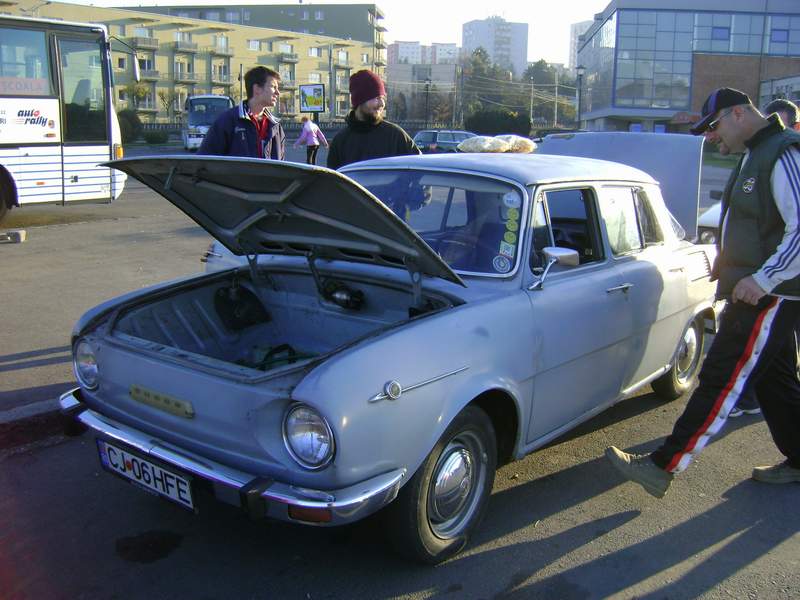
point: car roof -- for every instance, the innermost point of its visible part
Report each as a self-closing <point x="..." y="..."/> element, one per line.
<point x="527" y="169"/>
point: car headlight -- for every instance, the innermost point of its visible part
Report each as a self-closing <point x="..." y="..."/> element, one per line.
<point x="308" y="437"/>
<point x="84" y="363"/>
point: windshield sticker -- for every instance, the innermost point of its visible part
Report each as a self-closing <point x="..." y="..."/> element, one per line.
<point x="510" y="237"/>
<point x="507" y="250"/>
<point x="512" y="200"/>
<point x="512" y="225"/>
<point x="501" y="264"/>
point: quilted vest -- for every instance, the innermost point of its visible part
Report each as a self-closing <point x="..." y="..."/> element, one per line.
<point x="754" y="227"/>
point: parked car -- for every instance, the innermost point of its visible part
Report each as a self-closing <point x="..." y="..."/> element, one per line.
<point x="436" y="141"/>
<point x="396" y="332"/>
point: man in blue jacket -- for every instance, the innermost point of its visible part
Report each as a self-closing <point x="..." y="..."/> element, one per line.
<point x="250" y="129"/>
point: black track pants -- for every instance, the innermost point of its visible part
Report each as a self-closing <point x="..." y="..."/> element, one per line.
<point x="755" y="345"/>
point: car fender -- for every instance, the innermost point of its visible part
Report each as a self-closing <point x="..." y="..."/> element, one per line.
<point x="441" y="362"/>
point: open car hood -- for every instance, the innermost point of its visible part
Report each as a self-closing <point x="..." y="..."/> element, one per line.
<point x="255" y="206"/>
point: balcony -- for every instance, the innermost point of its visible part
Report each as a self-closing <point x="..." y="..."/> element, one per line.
<point x="339" y="63"/>
<point x="190" y="47"/>
<point x="219" y="51"/>
<point x="146" y="108"/>
<point x="288" y="57"/>
<point x="149" y="75"/>
<point x="379" y="62"/>
<point x="380" y="44"/>
<point x="342" y="90"/>
<point x="288" y="84"/>
<point x="220" y="79"/>
<point x="145" y="43"/>
<point x="183" y="77"/>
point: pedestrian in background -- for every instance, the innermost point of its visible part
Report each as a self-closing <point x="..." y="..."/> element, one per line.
<point x="758" y="273"/>
<point x="367" y="135"/>
<point x="250" y="129"/>
<point x="311" y="136"/>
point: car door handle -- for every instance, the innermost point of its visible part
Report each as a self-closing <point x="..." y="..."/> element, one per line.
<point x="677" y="269"/>
<point x="620" y="288"/>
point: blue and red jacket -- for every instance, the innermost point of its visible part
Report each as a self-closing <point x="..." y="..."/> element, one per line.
<point x="233" y="134"/>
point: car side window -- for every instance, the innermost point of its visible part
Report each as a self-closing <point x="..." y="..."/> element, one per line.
<point x="573" y="223"/>
<point x="618" y="209"/>
<point x="425" y="137"/>
<point x="651" y="232"/>
<point x="445" y="136"/>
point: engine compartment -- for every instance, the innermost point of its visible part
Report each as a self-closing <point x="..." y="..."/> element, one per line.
<point x="270" y="319"/>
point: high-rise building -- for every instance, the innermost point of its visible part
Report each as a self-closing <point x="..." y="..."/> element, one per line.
<point x="576" y="30"/>
<point x="506" y="43"/>
<point x="404" y="53"/>
<point x="650" y="65"/>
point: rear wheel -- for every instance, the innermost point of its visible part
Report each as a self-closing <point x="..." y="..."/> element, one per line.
<point x="5" y="196"/>
<point x="439" y="508"/>
<point x="686" y="365"/>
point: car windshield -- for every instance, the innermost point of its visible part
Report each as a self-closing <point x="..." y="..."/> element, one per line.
<point x="204" y="111"/>
<point x="472" y="222"/>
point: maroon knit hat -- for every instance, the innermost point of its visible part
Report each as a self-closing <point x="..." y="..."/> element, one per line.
<point x="364" y="86"/>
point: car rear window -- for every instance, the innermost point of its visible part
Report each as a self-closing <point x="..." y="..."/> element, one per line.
<point x="424" y="137"/>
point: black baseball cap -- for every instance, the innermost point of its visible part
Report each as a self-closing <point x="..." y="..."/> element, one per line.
<point x="719" y="99"/>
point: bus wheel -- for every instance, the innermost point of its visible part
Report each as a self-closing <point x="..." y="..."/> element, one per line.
<point x="5" y="197"/>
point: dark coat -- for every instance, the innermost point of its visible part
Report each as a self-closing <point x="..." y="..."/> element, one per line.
<point x="362" y="141"/>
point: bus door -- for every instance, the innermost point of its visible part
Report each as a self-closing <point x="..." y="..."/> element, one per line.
<point x="30" y="118"/>
<point x="85" y="118"/>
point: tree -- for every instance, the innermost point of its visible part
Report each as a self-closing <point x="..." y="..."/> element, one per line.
<point x="136" y="92"/>
<point x="167" y="101"/>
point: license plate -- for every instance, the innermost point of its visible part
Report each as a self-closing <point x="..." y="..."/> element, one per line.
<point x="142" y="472"/>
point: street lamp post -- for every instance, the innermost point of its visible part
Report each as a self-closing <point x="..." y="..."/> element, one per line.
<point x="427" y="95"/>
<point x="580" y="70"/>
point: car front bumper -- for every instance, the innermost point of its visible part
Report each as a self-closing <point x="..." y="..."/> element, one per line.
<point x="261" y="497"/>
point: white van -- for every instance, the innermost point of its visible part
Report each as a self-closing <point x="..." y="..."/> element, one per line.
<point x="201" y="112"/>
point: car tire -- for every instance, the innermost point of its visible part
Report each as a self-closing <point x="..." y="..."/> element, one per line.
<point x="686" y="364"/>
<point x="438" y="509"/>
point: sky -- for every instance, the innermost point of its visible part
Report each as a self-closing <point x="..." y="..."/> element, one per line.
<point x="430" y="21"/>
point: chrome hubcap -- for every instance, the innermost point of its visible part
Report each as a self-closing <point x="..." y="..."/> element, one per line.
<point x="456" y="485"/>
<point x="687" y="353"/>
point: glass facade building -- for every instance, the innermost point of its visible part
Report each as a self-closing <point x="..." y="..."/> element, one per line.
<point x="641" y="61"/>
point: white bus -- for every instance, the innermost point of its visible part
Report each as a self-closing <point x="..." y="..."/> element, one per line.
<point x="201" y="112"/>
<point x="57" y="118"/>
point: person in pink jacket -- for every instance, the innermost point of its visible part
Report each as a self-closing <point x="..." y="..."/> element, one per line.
<point x="312" y="136"/>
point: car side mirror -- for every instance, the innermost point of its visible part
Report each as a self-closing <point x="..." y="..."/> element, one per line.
<point x="555" y="255"/>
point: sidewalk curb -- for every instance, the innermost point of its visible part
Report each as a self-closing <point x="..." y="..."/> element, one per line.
<point x="28" y="411"/>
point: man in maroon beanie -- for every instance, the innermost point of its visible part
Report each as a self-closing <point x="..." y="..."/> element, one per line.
<point x="367" y="134"/>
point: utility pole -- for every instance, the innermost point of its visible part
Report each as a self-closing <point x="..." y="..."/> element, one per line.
<point x="427" y="95"/>
<point x="555" y="106"/>
<point x="531" y="114"/>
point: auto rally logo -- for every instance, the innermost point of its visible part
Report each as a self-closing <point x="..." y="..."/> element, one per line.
<point x="33" y="117"/>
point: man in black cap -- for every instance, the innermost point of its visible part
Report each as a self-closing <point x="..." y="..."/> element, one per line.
<point x="758" y="272"/>
<point x="787" y="111"/>
<point x="367" y="134"/>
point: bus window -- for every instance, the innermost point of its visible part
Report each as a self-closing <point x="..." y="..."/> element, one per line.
<point x="83" y="91"/>
<point x="23" y="63"/>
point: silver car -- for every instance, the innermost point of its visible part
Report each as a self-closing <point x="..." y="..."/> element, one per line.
<point x="394" y="333"/>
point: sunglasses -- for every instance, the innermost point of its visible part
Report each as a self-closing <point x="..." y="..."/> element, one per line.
<point x="715" y="123"/>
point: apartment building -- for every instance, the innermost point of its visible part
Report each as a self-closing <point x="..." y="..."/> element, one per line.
<point x="505" y="42"/>
<point x="179" y="57"/>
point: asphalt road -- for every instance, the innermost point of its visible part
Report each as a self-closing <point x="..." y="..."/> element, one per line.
<point x="560" y="525"/>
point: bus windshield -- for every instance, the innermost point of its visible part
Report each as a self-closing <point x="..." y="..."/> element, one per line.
<point x="204" y="111"/>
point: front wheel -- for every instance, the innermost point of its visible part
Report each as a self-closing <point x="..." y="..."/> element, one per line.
<point x="439" y="508"/>
<point x="686" y="364"/>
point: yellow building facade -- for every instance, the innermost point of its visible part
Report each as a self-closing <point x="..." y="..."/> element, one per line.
<point x="181" y="57"/>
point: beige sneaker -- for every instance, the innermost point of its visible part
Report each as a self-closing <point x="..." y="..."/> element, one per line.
<point x="782" y="473"/>
<point x="641" y="469"/>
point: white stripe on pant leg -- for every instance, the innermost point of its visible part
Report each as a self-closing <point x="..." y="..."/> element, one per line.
<point x="735" y="393"/>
